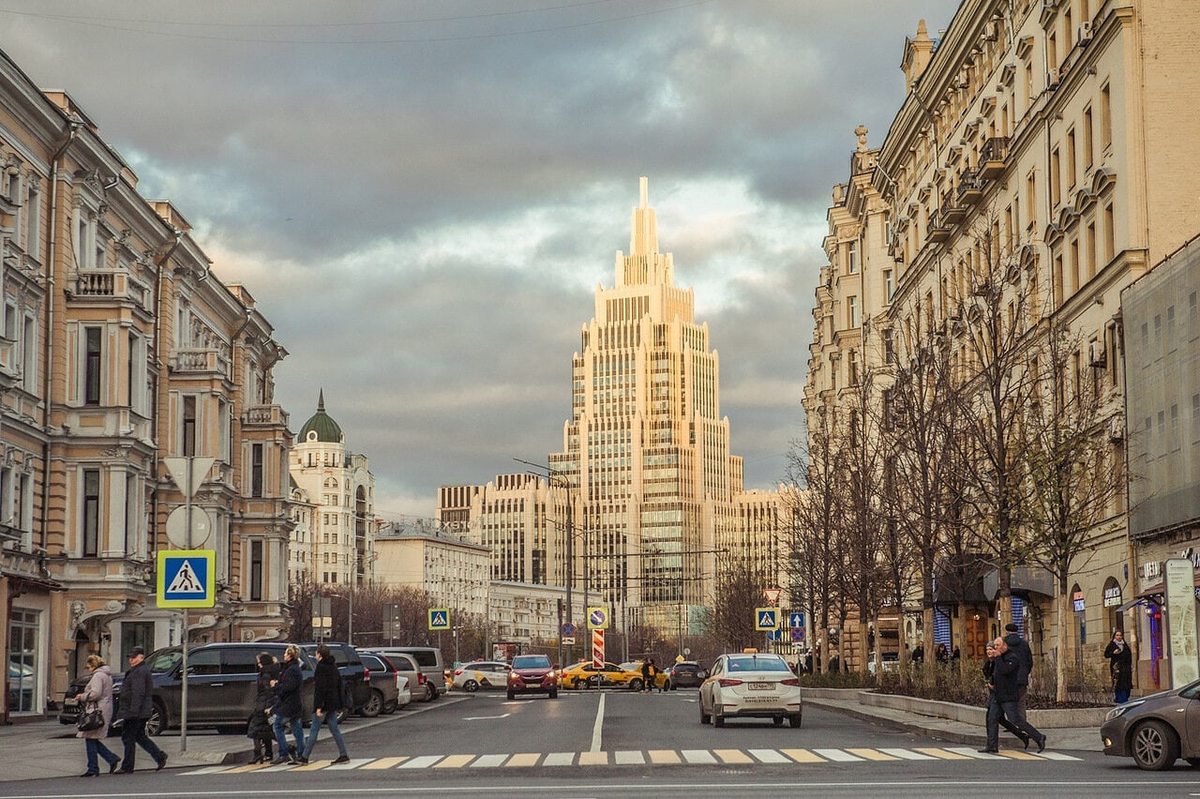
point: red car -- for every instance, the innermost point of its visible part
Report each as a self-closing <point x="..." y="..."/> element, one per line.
<point x="532" y="674"/>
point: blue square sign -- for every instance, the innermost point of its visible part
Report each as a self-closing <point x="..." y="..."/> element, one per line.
<point x="186" y="578"/>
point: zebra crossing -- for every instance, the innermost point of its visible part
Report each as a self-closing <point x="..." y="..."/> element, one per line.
<point x="659" y="757"/>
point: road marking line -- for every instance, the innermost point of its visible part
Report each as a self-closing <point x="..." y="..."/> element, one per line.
<point x="201" y="772"/>
<point x="802" y="756"/>
<point x="455" y="761"/>
<point x="593" y="758"/>
<point x="251" y="767"/>
<point x="698" y="756"/>
<point x="628" y="758"/>
<point x="908" y="754"/>
<point x="559" y="759"/>
<point x="941" y="753"/>
<point x="769" y="756"/>
<point x="732" y="756"/>
<point x="423" y="761"/>
<point x="486" y="761"/>
<point x="838" y="756"/>
<point x="664" y="757"/>
<point x="1017" y="754"/>
<point x="1056" y="756"/>
<point x="598" y="727"/>
<point x="872" y="754"/>
<point x="353" y="763"/>
<point x="386" y="762"/>
<point x="523" y="759"/>
<point x="314" y="765"/>
<point x="969" y="752"/>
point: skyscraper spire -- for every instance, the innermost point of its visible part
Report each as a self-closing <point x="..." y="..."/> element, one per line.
<point x="643" y="239"/>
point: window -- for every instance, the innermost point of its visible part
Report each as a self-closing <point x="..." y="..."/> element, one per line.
<point x="1087" y="138"/>
<point x="91" y="512"/>
<point x="91" y="366"/>
<point x="852" y="311"/>
<point x="1071" y="158"/>
<point x="29" y="359"/>
<point x="1055" y="178"/>
<point x="225" y="421"/>
<point x="256" y="470"/>
<point x="188" y="431"/>
<point x="889" y="284"/>
<point x="256" y="571"/>
<point x="852" y="257"/>
<point x="1105" y="117"/>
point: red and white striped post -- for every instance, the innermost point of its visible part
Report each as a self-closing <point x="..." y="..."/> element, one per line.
<point x="598" y="648"/>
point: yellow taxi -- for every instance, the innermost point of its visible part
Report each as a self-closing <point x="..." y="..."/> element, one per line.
<point x="585" y="675"/>
<point x="662" y="678"/>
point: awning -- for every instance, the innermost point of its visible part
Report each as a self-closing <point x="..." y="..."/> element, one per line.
<point x="29" y="580"/>
<point x="1142" y="600"/>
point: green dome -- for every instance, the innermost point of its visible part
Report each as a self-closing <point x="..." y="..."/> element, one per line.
<point x="322" y="424"/>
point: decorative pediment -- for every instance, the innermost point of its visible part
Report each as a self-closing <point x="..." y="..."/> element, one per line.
<point x="1102" y="179"/>
<point x="1024" y="46"/>
<point x="1084" y="199"/>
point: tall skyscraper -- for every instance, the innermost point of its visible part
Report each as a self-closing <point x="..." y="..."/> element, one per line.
<point x="646" y="452"/>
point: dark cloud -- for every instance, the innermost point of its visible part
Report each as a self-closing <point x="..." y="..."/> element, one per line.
<point x="422" y="196"/>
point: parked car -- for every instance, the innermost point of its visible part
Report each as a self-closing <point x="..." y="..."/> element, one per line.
<point x="585" y="675"/>
<point x="662" y="677"/>
<point x="407" y="666"/>
<point x="351" y="667"/>
<point x="384" y="681"/>
<point x="428" y="658"/>
<point x="755" y="685"/>
<point x="532" y="674"/>
<point x="686" y="674"/>
<point x="222" y="685"/>
<point x="480" y="675"/>
<point x="1156" y="730"/>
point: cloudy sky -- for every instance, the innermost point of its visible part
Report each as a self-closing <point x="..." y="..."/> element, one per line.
<point x="423" y="195"/>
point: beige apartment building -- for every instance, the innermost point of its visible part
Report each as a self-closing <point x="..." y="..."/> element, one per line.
<point x="1054" y="137"/>
<point x="121" y="347"/>
<point x="452" y="570"/>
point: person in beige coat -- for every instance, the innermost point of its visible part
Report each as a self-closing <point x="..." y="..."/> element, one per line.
<point x="98" y="693"/>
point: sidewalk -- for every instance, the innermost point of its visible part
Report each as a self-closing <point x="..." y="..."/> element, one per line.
<point x="32" y="750"/>
<point x="1085" y="739"/>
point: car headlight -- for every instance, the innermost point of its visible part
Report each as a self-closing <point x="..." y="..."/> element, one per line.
<point x="1117" y="711"/>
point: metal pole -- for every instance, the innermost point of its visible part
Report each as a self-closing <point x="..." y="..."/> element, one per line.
<point x="183" y="692"/>
<point x="350" y="595"/>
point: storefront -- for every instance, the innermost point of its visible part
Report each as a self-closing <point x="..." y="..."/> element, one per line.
<point x="25" y="604"/>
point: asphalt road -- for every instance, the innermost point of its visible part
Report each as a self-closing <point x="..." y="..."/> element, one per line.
<point x="616" y="744"/>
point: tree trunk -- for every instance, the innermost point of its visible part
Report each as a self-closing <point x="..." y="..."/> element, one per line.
<point x="1060" y="662"/>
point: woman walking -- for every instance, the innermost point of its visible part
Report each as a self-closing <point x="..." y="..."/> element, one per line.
<point x="260" y="729"/>
<point x="98" y="694"/>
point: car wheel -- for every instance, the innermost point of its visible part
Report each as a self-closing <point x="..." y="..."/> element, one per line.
<point x="718" y="719"/>
<point x="374" y="705"/>
<point x="635" y="685"/>
<point x="390" y="707"/>
<point x="470" y="686"/>
<point x="796" y="720"/>
<point x="430" y="692"/>
<point x="511" y="696"/>
<point x="777" y="721"/>
<point x="158" y="719"/>
<point x="554" y="694"/>
<point x="704" y="717"/>
<point x="1154" y="746"/>
<point x="667" y="686"/>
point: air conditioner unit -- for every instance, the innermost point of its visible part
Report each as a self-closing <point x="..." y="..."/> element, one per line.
<point x="1085" y="33"/>
<point x="1116" y="429"/>
<point x="1097" y="355"/>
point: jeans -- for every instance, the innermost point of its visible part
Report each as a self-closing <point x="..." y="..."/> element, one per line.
<point x="315" y="727"/>
<point x="995" y="720"/>
<point x="281" y="725"/>
<point x="1122" y="697"/>
<point x="96" y="747"/>
<point x="1012" y="710"/>
<point x="133" y="735"/>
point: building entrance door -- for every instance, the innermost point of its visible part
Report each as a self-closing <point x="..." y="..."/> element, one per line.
<point x="975" y="636"/>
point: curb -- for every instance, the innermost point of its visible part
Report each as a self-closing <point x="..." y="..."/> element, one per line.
<point x="905" y="726"/>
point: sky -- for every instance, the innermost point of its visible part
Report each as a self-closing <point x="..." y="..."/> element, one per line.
<point x="423" y="195"/>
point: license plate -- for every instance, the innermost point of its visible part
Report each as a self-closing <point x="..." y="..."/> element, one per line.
<point x="761" y="686"/>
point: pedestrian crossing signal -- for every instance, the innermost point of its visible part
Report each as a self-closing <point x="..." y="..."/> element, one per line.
<point x="186" y="578"/>
<point x="439" y="618"/>
<point x="766" y="618"/>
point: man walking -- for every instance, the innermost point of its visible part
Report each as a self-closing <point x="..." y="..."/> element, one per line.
<point x="1005" y="684"/>
<point x="1020" y="648"/>
<point x="995" y="716"/>
<point x="134" y="709"/>
<point x="327" y="701"/>
<point x="288" y="708"/>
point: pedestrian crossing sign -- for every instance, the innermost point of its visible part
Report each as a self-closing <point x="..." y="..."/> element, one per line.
<point x="186" y="578"/>
<point x="766" y="618"/>
<point x="439" y="618"/>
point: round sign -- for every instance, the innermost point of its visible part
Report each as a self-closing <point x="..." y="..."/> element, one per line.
<point x="687" y="651"/>
<point x="177" y="527"/>
<point x="568" y="629"/>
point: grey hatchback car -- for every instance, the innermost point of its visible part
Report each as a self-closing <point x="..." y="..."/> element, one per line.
<point x="1156" y="730"/>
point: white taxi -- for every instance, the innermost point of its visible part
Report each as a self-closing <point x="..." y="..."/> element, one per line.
<point x="750" y="685"/>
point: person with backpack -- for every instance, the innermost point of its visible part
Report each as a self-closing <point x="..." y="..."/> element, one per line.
<point x="327" y="702"/>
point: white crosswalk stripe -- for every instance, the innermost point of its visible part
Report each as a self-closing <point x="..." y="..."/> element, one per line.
<point x="799" y="758"/>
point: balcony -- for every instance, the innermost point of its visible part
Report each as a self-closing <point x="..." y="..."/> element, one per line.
<point x="952" y="212"/>
<point x="198" y="361"/>
<point x="109" y="284"/>
<point x="939" y="228"/>
<point x="993" y="157"/>
<point x="970" y="188"/>
<point x="265" y="416"/>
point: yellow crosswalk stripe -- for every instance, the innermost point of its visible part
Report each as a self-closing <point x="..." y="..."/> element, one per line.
<point x="455" y="761"/>
<point x="524" y="759"/>
<point x="244" y="769"/>
<point x="593" y="758"/>
<point x="732" y="756"/>
<point x="1017" y="754"/>
<point x="313" y="765"/>
<point x="872" y="754"/>
<point x="802" y="756"/>
<point x="386" y="762"/>
<point x="942" y="753"/>
<point x="664" y="757"/>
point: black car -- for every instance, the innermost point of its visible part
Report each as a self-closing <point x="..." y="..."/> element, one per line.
<point x="352" y="670"/>
<point x="686" y="674"/>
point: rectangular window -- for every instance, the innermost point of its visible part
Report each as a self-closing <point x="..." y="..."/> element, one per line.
<point x="1088" y="145"/>
<point x="256" y="470"/>
<point x="889" y="284"/>
<point x="852" y="311"/>
<point x="1110" y="234"/>
<point x="1105" y="117"/>
<point x="852" y="257"/>
<point x="29" y="360"/>
<point x="91" y="512"/>
<point x="1055" y="178"/>
<point x="188" y="432"/>
<point x="256" y="571"/>
<point x="1071" y="158"/>
<point x="131" y="370"/>
<point x="91" y="368"/>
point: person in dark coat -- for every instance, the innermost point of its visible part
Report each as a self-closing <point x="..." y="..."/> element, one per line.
<point x="134" y="709"/>
<point x="1020" y="648"/>
<point x="259" y="730"/>
<point x="647" y="675"/>
<point x="97" y="694"/>
<point x="288" y="706"/>
<point x="918" y="653"/>
<point x="995" y="716"/>
<point x="1005" y="684"/>
<point x="327" y="701"/>
<point x="1120" y="663"/>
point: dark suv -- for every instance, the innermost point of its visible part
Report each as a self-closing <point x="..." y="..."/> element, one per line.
<point x="352" y="669"/>
<point x="532" y="674"/>
<point x="222" y="685"/>
<point x="686" y="673"/>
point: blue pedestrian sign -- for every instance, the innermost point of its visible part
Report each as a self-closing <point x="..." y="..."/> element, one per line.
<point x="186" y="578"/>
<point x="766" y="618"/>
<point x="439" y="618"/>
<point x="795" y="620"/>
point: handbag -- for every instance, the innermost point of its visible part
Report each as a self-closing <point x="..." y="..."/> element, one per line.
<point x="91" y="720"/>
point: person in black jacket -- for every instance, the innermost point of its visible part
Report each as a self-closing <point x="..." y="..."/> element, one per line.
<point x="1121" y="665"/>
<point x="1007" y="688"/>
<point x="1020" y="648"/>
<point x="327" y="701"/>
<point x="288" y="708"/>
<point x="135" y="706"/>
<point x="995" y="716"/>
<point x="259" y="728"/>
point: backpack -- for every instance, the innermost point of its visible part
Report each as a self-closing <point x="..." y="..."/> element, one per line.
<point x="345" y="693"/>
